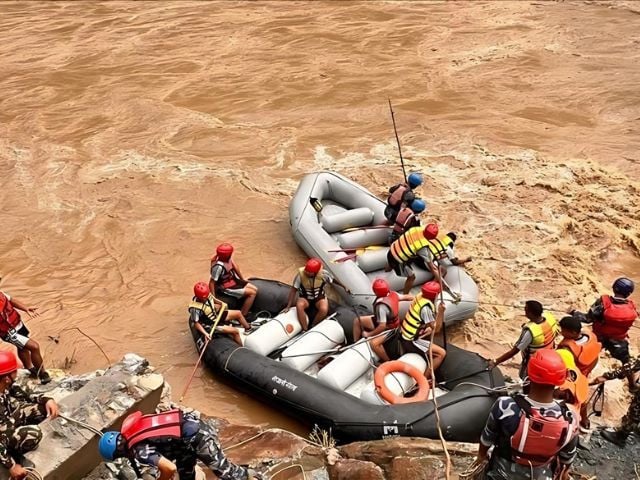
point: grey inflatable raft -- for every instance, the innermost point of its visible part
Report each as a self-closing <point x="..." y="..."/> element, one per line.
<point x="352" y="221"/>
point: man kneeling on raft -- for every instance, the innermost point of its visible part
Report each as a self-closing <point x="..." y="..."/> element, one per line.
<point x="204" y="310"/>
<point x="416" y="328"/>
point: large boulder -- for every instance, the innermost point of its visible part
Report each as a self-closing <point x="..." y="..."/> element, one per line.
<point x="69" y="451"/>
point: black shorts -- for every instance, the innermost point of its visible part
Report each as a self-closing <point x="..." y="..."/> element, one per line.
<point x="619" y="349"/>
<point x="396" y="346"/>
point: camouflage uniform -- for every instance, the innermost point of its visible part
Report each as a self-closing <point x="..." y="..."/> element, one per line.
<point x="198" y="442"/>
<point x="631" y="419"/>
<point x="20" y="412"/>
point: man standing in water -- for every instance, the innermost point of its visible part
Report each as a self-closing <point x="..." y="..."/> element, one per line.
<point x="14" y="331"/>
<point x="20" y="413"/>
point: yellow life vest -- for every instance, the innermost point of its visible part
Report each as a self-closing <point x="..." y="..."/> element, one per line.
<point x="311" y="288"/>
<point x="438" y="246"/>
<point x="208" y="307"/>
<point x="545" y="333"/>
<point x="407" y="246"/>
<point x="412" y="326"/>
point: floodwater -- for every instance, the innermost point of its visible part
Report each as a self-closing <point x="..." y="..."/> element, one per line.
<point x="134" y="137"/>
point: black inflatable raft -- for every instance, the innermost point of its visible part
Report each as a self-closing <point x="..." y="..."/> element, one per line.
<point x="463" y="409"/>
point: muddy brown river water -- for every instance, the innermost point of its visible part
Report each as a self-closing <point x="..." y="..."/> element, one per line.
<point x="134" y="137"/>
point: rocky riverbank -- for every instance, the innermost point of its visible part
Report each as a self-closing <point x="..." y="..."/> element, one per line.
<point x="102" y="398"/>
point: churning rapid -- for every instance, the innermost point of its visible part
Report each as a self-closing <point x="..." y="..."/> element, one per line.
<point x="134" y="137"/>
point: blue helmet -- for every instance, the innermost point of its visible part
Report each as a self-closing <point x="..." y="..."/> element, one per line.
<point x="414" y="180"/>
<point x="623" y="286"/>
<point x="108" y="445"/>
<point x="418" y="205"/>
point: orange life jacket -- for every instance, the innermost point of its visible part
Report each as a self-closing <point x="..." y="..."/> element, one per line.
<point x="137" y="427"/>
<point x="586" y="354"/>
<point x="393" y="302"/>
<point x="395" y="199"/>
<point x="618" y="318"/>
<point x="539" y="438"/>
<point x="229" y="278"/>
<point x="9" y="316"/>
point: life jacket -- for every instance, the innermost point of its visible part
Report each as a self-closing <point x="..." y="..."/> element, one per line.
<point x="618" y="318"/>
<point x="393" y="302"/>
<point x="395" y="199"/>
<point x="407" y="246"/>
<point x="229" y="278"/>
<point x="311" y="288"/>
<point x="9" y="316"/>
<point x="539" y="438"/>
<point x="403" y="220"/>
<point x="544" y="334"/>
<point x="207" y="307"/>
<point x="438" y="246"/>
<point x="412" y="326"/>
<point x="137" y="428"/>
<point x="585" y="354"/>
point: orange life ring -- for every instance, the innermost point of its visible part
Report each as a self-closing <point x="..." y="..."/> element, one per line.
<point x="383" y="370"/>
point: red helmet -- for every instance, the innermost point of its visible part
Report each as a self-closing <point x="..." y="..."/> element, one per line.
<point x="224" y="251"/>
<point x="8" y="363"/>
<point x="547" y="368"/>
<point x="201" y="290"/>
<point x="380" y="287"/>
<point x="313" y="266"/>
<point x="430" y="231"/>
<point x="430" y="290"/>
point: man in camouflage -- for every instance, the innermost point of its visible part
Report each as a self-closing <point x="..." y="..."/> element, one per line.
<point x="631" y="419"/>
<point x="172" y="442"/>
<point x="20" y="413"/>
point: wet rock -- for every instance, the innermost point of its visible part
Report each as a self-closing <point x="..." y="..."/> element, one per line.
<point x="403" y="468"/>
<point x="350" y="469"/>
<point x="270" y="446"/>
<point x="69" y="451"/>
<point x="384" y="452"/>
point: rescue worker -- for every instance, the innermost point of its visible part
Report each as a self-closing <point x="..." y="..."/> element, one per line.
<point x="584" y="346"/>
<point x="407" y="218"/>
<point x="538" y="333"/>
<point x="204" y="309"/>
<point x="530" y="432"/>
<point x="413" y="335"/>
<point x="172" y="442"/>
<point x="407" y="249"/>
<point x="575" y="389"/>
<point x="386" y="308"/>
<point x="440" y="254"/>
<point x="20" y="413"/>
<point x="612" y="317"/>
<point x="309" y="283"/>
<point x="227" y="279"/>
<point x="14" y="331"/>
<point x="632" y="418"/>
<point x="401" y="195"/>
